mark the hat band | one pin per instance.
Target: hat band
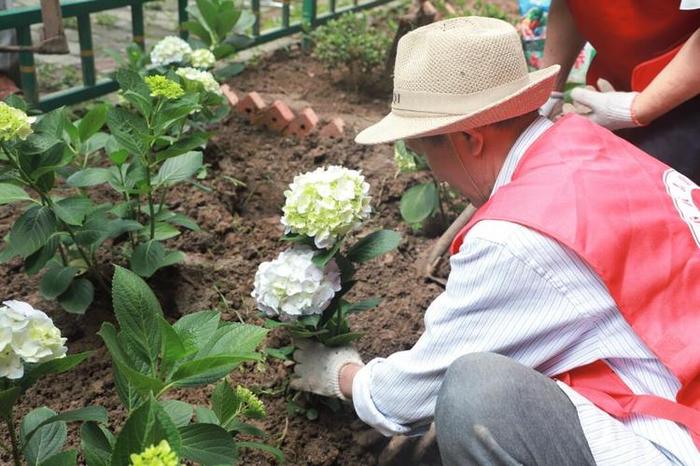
(455, 104)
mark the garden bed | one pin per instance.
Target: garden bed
(248, 171)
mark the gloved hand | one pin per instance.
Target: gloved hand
(610, 109)
(318, 367)
(553, 106)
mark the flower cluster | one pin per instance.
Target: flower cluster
(404, 160)
(26, 336)
(169, 50)
(292, 285)
(14, 123)
(202, 58)
(156, 455)
(203, 78)
(250, 405)
(161, 86)
(326, 204)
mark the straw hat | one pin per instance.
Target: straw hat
(457, 74)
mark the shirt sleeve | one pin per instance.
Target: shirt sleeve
(494, 302)
(690, 4)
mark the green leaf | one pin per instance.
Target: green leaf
(233, 338)
(276, 452)
(72, 210)
(10, 193)
(119, 226)
(32, 230)
(322, 258)
(147, 258)
(224, 403)
(230, 70)
(146, 426)
(419, 202)
(89, 413)
(129, 130)
(96, 443)
(343, 339)
(178, 168)
(34, 372)
(96, 142)
(361, 306)
(89, 177)
(38, 143)
(374, 245)
(92, 122)
(7, 401)
(205, 415)
(56, 280)
(197, 328)
(236, 426)
(135, 90)
(36, 261)
(78, 297)
(172, 258)
(186, 144)
(52, 122)
(208, 445)
(209, 369)
(174, 348)
(46, 441)
(179, 411)
(163, 231)
(176, 218)
(138, 313)
(65, 458)
(118, 157)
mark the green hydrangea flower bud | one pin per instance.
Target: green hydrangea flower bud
(251, 406)
(161, 86)
(156, 455)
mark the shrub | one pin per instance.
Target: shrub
(351, 42)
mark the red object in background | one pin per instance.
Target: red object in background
(333, 130)
(7, 87)
(251, 105)
(277, 116)
(303, 124)
(230, 95)
(641, 237)
(629, 33)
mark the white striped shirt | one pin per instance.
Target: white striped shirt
(518, 293)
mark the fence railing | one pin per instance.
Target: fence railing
(21, 19)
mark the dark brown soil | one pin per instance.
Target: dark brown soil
(240, 228)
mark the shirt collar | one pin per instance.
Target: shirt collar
(524, 141)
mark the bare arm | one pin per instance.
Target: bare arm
(346, 376)
(563, 43)
(677, 82)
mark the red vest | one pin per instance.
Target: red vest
(634, 39)
(636, 223)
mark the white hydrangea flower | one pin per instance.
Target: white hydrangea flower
(202, 58)
(292, 285)
(169, 50)
(10, 364)
(326, 204)
(32, 335)
(205, 78)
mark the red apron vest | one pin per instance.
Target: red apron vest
(636, 222)
(634, 39)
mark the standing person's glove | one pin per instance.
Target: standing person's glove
(610, 109)
(553, 106)
(318, 367)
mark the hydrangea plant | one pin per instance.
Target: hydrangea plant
(170, 50)
(32, 347)
(156, 455)
(195, 78)
(303, 288)
(202, 58)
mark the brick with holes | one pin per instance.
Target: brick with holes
(230, 95)
(333, 130)
(303, 124)
(251, 105)
(276, 117)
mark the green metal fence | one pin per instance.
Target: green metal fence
(21, 19)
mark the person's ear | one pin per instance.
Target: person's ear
(469, 143)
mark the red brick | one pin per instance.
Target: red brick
(333, 130)
(251, 105)
(303, 124)
(230, 94)
(277, 116)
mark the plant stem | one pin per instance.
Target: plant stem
(340, 318)
(151, 208)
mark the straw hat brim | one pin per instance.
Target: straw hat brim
(396, 126)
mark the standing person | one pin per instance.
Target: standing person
(649, 50)
(582, 263)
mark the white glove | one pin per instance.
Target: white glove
(553, 105)
(610, 109)
(318, 367)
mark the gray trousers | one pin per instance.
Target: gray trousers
(493, 411)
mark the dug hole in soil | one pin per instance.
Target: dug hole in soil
(240, 228)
